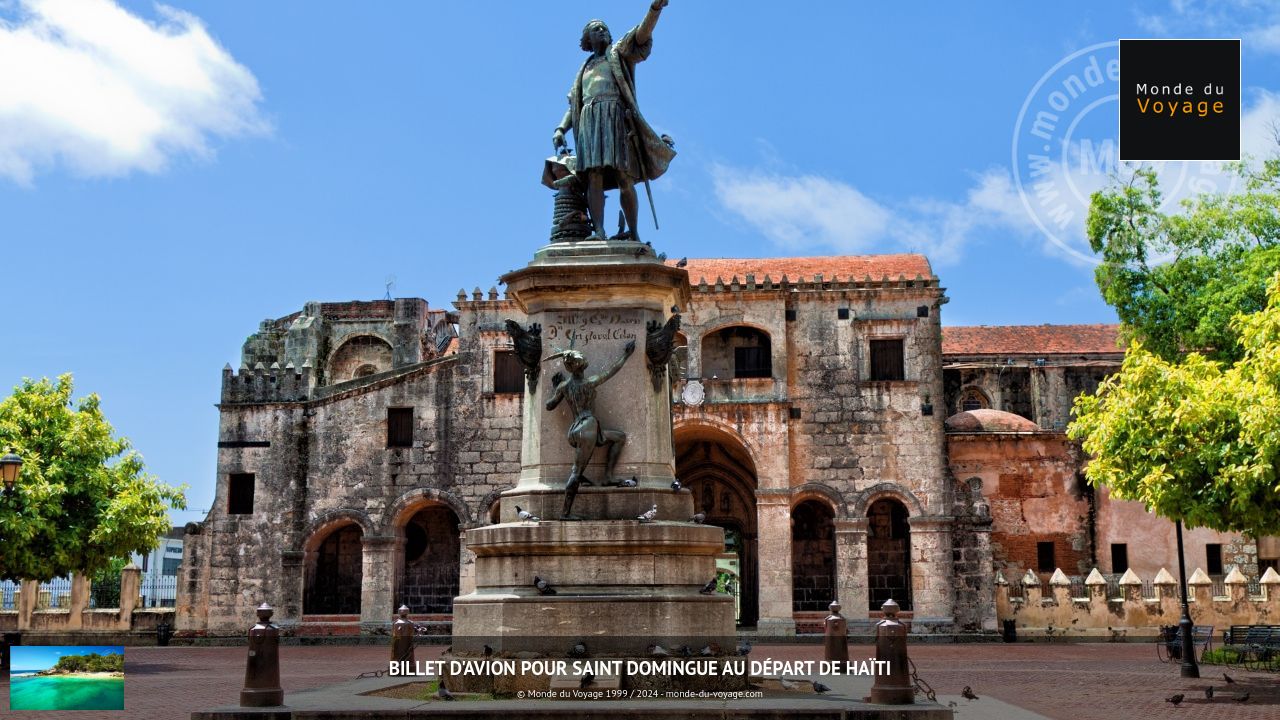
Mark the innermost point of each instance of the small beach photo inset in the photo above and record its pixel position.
(66, 677)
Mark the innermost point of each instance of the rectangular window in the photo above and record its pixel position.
(399, 427)
(508, 376)
(1213, 558)
(886, 360)
(752, 362)
(1272, 563)
(171, 566)
(240, 494)
(1119, 557)
(145, 558)
(1045, 561)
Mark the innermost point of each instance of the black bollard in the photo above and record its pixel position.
(895, 687)
(835, 638)
(402, 631)
(262, 669)
(163, 632)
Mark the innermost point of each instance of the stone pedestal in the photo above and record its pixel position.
(621, 585)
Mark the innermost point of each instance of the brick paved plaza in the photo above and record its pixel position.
(1086, 681)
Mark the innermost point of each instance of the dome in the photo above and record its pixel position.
(975, 421)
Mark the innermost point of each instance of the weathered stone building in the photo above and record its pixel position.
(360, 441)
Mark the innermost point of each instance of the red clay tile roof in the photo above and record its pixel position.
(985, 420)
(795, 268)
(1031, 340)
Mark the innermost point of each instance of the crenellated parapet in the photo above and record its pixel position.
(1131, 608)
(261, 384)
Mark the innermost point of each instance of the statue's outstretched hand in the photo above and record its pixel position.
(658, 4)
(630, 347)
(557, 140)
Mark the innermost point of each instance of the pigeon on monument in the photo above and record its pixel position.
(706, 651)
(629, 482)
(682, 262)
(967, 693)
(444, 694)
(587, 680)
(1241, 698)
(488, 651)
(658, 651)
(709, 588)
(675, 485)
(526, 515)
(686, 651)
(787, 684)
(649, 515)
(820, 688)
(544, 588)
(744, 647)
(675, 309)
(578, 650)
(699, 518)
(1176, 699)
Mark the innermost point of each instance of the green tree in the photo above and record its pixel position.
(83, 498)
(1177, 279)
(1195, 439)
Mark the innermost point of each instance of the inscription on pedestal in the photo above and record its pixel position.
(586, 327)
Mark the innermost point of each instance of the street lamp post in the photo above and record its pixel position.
(10, 464)
(1189, 667)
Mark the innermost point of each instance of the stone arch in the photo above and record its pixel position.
(863, 499)
(488, 508)
(824, 493)
(426, 524)
(719, 468)
(736, 351)
(333, 561)
(973, 397)
(329, 520)
(409, 502)
(358, 353)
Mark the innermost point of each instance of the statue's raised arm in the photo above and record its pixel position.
(645, 32)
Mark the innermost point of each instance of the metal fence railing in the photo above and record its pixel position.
(54, 594)
(159, 591)
(812, 592)
(8, 595)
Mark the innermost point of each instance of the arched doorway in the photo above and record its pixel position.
(334, 572)
(721, 475)
(813, 556)
(429, 551)
(888, 554)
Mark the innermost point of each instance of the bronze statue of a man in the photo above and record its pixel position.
(616, 147)
(586, 433)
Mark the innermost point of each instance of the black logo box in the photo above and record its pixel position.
(1186, 69)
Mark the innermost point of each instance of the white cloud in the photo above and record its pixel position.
(802, 212)
(105, 93)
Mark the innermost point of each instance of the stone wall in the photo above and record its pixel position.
(1093, 611)
(78, 624)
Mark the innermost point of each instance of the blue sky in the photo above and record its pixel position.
(43, 657)
(172, 175)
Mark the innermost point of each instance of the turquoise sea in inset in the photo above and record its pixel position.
(64, 692)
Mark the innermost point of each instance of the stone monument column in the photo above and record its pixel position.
(773, 529)
(931, 571)
(378, 580)
(851, 567)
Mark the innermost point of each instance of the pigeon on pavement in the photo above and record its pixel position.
(967, 693)
(1241, 698)
(1176, 699)
(444, 694)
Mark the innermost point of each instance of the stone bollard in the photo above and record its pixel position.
(402, 631)
(262, 669)
(835, 638)
(891, 646)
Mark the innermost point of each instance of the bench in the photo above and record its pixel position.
(1255, 646)
(1169, 643)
